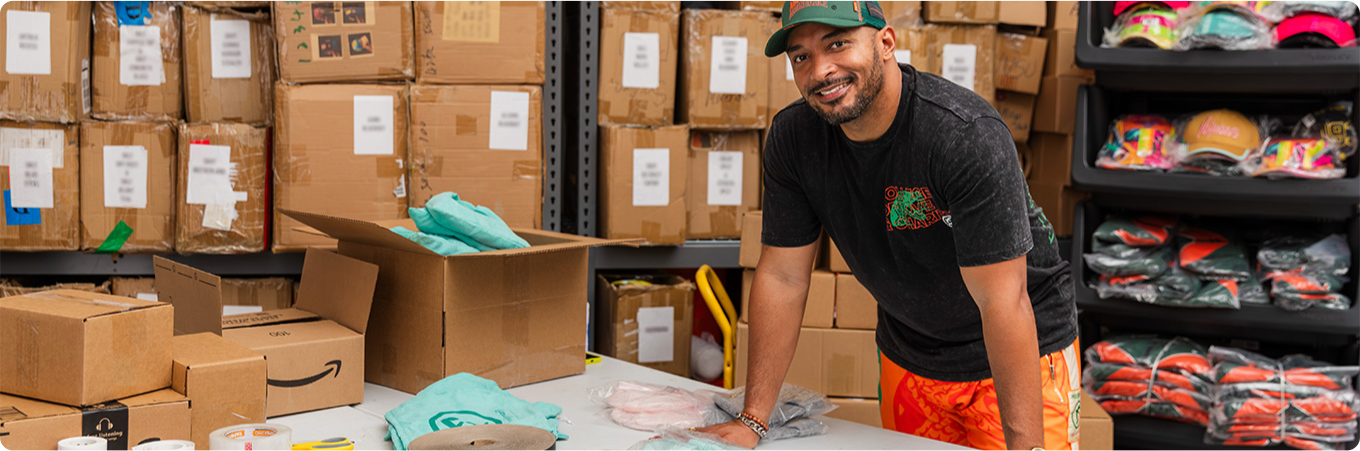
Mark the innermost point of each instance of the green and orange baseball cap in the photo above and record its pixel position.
(836, 14)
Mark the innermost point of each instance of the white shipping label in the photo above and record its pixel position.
(28, 42)
(788, 68)
(641, 60)
(903, 56)
(373, 125)
(228, 310)
(727, 69)
(139, 55)
(656, 334)
(230, 48)
(33, 138)
(509, 120)
(960, 64)
(125, 176)
(209, 181)
(651, 177)
(30, 178)
(724, 178)
(149, 297)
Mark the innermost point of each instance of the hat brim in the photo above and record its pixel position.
(1216, 150)
(779, 40)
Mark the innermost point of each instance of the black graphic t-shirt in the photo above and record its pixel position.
(941, 189)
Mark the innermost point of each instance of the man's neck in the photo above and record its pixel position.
(880, 115)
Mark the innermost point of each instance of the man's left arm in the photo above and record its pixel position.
(1000, 292)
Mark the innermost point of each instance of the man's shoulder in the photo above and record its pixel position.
(797, 116)
(948, 102)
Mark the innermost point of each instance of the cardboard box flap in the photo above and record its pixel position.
(338, 288)
(289, 315)
(196, 295)
(13, 408)
(155, 397)
(207, 349)
(563, 242)
(352, 230)
(76, 304)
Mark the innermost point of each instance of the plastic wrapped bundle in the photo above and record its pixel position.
(1292, 157)
(1113, 372)
(1237, 366)
(1144, 231)
(1223, 25)
(1140, 143)
(1155, 409)
(1150, 376)
(647, 407)
(1175, 289)
(1294, 400)
(1330, 254)
(1177, 354)
(793, 412)
(1149, 24)
(1213, 256)
(1152, 262)
(1148, 390)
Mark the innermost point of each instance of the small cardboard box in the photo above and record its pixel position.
(515, 316)
(971, 55)
(1051, 159)
(644, 173)
(125, 423)
(673, 7)
(1055, 110)
(237, 85)
(307, 347)
(59, 90)
(504, 39)
(1058, 202)
(1023, 13)
(833, 362)
(344, 41)
(723, 69)
(224, 381)
(983, 12)
(147, 86)
(783, 89)
(820, 310)
(57, 226)
(638, 59)
(1018, 111)
(1097, 430)
(1062, 15)
(214, 217)
(66, 346)
(497, 162)
(1062, 55)
(836, 261)
(321, 165)
(858, 410)
(140, 159)
(1019, 61)
(649, 325)
(748, 255)
(724, 182)
(856, 308)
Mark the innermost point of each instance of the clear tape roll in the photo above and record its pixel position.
(253, 437)
(165, 445)
(83, 443)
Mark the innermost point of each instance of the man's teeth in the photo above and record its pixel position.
(834, 89)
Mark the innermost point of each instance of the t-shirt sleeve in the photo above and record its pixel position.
(985, 189)
(788, 220)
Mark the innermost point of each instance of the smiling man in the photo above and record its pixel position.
(918, 182)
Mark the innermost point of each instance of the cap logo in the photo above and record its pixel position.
(1209, 127)
(794, 7)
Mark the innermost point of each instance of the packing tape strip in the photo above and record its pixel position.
(83, 443)
(252, 436)
(485, 437)
(165, 445)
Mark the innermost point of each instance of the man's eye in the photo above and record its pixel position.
(839, 44)
(799, 58)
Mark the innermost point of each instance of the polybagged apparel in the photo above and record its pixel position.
(1217, 294)
(464, 400)
(648, 407)
(1175, 289)
(1155, 409)
(1331, 254)
(793, 412)
(1302, 435)
(1252, 291)
(1332, 123)
(1294, 157)
(1113, 372)
(1147, 390)
(1147, 25)
(1139, 142)
(1304, 301)
(1209, 166)
(1143, 231)
(1223, 27)
(1211, 255)
(684, 439)
(1238, 366)
(1152, 262)
(1340, 9)
(1303, 282)
(1117, 250)
(1177, 354)
(1273, 409)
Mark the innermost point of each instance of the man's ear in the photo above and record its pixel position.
(887, 42)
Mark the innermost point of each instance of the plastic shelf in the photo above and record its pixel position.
(1276, 70)
(695, 253)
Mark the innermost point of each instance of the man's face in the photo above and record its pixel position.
(837, 70)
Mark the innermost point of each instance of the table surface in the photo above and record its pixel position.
(581, 420)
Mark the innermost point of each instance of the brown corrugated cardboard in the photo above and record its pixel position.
(1062, 15)
(236, 222)
(515, 316)
(10, 288)
(245, 5)
(837, 261)
(911, 49)
(1019, 62)
(505, 39)
(1023, 13)
(783, 90)
(833, 362)
(1051, 159)
(272, 293)
(63, 346)
(820, 309)
(858, 410)
(153, 225)
(772, 7)
(855, 307)
(1055, 110)
(1018, 111)
(318, 167)
(1058, 202)
(159, 415)
(60, 90)
(972, 50)
(738, 98)
(240, 86)
(673, 7)
(224, 381)
(643, 173)
(649, 325)
(903, 14)
(456, 145)
(131, 287)
(344, 41)
(58, 228)
(724, 182)
(1097, 430)
(984, 12)
(133, 90)
(748, 255)
(1062, 55)
(647, 68)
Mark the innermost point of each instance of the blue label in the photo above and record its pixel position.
(133, 13)
(20, 216)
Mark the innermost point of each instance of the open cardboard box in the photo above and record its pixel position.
(515, 316)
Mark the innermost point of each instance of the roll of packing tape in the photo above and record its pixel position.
(252, 436)
(164, 445)
(488, 437)
(83, 443)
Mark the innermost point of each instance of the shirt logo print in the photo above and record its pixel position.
(911, 208)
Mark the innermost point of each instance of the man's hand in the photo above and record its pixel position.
(735, 432)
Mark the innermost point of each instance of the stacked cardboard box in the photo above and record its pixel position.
(127, 186)
(645, 319)
(222, 206)
(1050, 140)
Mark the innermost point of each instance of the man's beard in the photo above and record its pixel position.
(869, 93)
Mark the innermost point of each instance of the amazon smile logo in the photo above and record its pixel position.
(331, 367)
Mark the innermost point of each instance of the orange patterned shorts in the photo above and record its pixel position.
(966, 413)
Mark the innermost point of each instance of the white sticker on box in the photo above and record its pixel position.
(509, 120)
(641, 60)
(33, 138)
(30, 178)
(139, 55)
(724, 178)
(960, 64)
(219, 216)
(656, 334)
(28, 42)
(727, 69)
(125, 176)
(153, 297)
(209, 180)
(373, 125)
(903, 56)
(788, 68)
(230, 48)
(228, 310)
(651, 177)
(85, 90)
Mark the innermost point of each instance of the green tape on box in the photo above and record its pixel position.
(117, 237)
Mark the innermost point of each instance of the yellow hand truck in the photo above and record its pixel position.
(721, 306)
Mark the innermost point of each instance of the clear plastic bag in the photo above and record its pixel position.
(1224, 26)
(1332, 123)
(1212, 255)
(1331, 254)
(1148, 25)
(684, 439)
(1142, 232)
(1139, 142)
(1296, 157)
(1176, 354)
(1175, 289)
(648, 407)
(792, 415)
(1152, 262)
